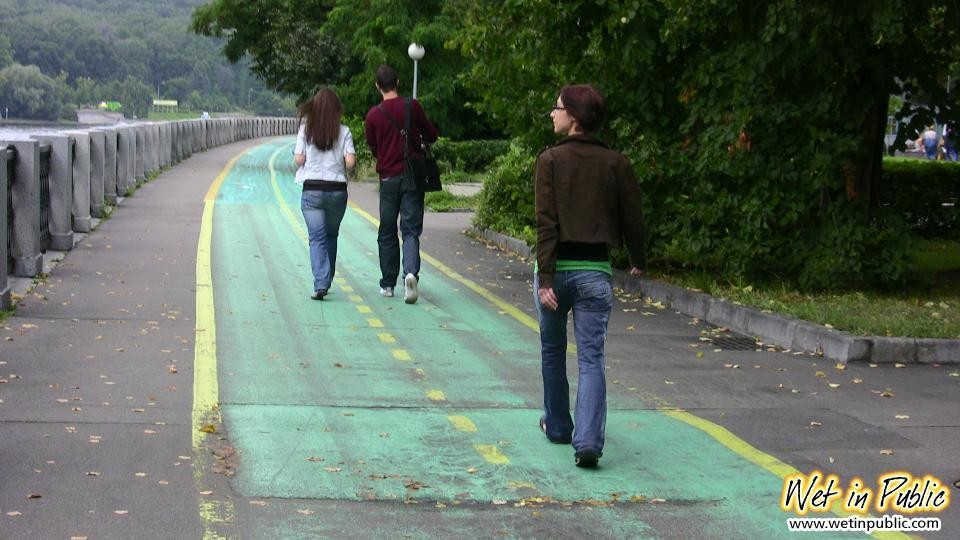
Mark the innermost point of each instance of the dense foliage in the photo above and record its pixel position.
(117, 50)
(924, 194)
(299, 46)
(756, 127)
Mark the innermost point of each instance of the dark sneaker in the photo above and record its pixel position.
(543, 428)
(319, 294)
(587, 458)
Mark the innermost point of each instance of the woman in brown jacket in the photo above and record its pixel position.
(587, 201)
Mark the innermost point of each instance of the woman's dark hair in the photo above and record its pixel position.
(386, 78)
(322, 115)
(585, 104)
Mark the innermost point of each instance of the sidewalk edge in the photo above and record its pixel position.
(794, 334)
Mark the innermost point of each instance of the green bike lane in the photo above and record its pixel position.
(366, 403)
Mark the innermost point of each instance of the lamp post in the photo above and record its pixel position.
(158, 89)
(415, 52)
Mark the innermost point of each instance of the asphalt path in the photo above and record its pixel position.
(171, 378)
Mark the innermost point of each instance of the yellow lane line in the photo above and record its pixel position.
(462, 423)
(401, 355)
(387, 338)
(355, 298)
(436, 395)
(206, 390)
(492, 454)
(364, 309)
(375, 323)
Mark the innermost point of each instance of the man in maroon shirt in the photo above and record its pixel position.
(398, 194)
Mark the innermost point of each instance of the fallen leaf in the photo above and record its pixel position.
(820, 374)
(815, 424)
(333, 469)
(305, 512)
(208, 428)
(841, 366)
(33, 496)
(886, 452)
(858, 380)
(899, 365)
(902, 417)
(207, 492)
(887, 393)
(14, 514)
(314, 459)
(120, 512)
(833, 385)
(93, 473)
(258, 503)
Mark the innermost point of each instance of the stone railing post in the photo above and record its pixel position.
(97, 172)
(5, 157)
(25, 242)
(111, 165)
(61, 191)
(81, 181)
(125, 161)
(139, 140)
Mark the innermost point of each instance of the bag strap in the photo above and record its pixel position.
(403, 131)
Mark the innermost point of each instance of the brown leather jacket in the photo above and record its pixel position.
(586, 193)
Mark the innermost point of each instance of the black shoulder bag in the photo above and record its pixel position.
(422, 168)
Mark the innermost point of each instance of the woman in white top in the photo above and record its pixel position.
(324, 153)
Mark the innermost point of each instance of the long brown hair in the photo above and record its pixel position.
(322, 115)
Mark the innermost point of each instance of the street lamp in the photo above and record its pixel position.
(415, 52)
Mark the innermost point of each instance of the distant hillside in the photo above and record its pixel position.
(126, 40)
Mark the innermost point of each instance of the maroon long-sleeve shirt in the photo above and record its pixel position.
(384, 139)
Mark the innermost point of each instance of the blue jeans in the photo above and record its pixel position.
(399, 197)
(590, 295)
(323, 211)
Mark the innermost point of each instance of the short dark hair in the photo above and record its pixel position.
(386, 78)
(585, 104)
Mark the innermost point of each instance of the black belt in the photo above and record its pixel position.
(324, 185)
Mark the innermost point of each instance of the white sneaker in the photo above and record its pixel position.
(410, 293)
(386, 291)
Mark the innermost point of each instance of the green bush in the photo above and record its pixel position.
(506, 200)
(468, 156)
(365, 162)
(916, 191)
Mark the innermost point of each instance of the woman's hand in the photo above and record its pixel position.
(548, 298)
(299, 159)
(636, 272)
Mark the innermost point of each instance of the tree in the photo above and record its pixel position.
(756, 127)
(6, 51)
(28, 93)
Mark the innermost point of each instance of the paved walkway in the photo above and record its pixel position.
(172, 379)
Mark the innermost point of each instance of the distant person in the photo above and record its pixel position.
(399, 196)
(949, 139)
(586, 200)
(325, 153)
(929, 141)
(205, 116)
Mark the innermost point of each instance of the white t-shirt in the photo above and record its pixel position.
(324, 164)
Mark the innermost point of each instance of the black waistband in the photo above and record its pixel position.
(582, 251)
(324, 185)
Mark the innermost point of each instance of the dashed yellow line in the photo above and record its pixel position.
(364, 309)
(387, 338)
(355, 298)
(436, 395)
(375, 323)
(492, 454)
(462, 423)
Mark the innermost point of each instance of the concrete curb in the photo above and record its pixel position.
(783, 331)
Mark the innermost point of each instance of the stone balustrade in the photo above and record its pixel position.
(91, 170)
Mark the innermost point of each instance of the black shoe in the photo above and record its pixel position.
(319, 294)
(587, 458)
(543, 428)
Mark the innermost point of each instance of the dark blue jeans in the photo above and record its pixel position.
(323, 211)
(399, 198)
(589, 295)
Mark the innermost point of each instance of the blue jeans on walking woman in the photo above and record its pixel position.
(590, 295)
(323, 211)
